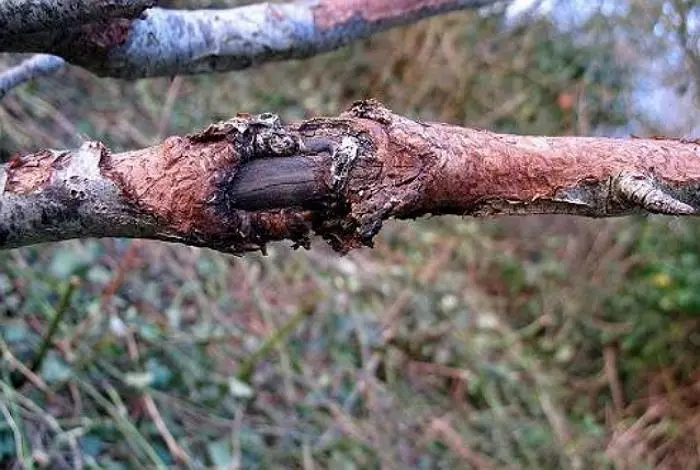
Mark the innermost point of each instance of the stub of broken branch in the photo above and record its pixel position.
(251, 180)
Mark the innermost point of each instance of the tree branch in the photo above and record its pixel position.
(25, 17)
(242, 183)
(174, 42)
(36, 66)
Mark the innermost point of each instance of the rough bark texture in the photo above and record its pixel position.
(173, 42)
(33, 16)
(242, 183)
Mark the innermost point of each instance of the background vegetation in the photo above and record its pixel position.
(541, 342)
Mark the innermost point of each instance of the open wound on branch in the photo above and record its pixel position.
(281, 182)
(312, 171)
(234, 187)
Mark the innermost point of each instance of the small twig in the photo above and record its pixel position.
(445, 431)
(237, 453)
(114, 408)
(16, 433)
(60, 434)
(63, 304)
(178, 452)
(613, 378)
(643, 191)
(307, 457)
(77, 399)
(36, 66)
(16, 364)
(170, 98)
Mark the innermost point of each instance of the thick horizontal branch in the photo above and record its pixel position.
(242, 183)
(176, 42)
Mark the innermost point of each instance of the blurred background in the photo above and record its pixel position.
(534, 342)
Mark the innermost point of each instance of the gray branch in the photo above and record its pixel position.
(36, 66)
(172, 42)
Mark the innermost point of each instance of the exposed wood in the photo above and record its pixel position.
(242, 183)
(272, 183)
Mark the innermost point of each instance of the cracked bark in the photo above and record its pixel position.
(251, 180)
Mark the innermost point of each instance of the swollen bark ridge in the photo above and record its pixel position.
(242, 183)
(176, 42)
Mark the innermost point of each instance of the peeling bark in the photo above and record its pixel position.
(176, 42)
(251, 180)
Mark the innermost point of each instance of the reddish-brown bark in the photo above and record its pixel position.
(461, 169)
(245, 182)
(106, 34)
(29, 174)
(173, 180)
